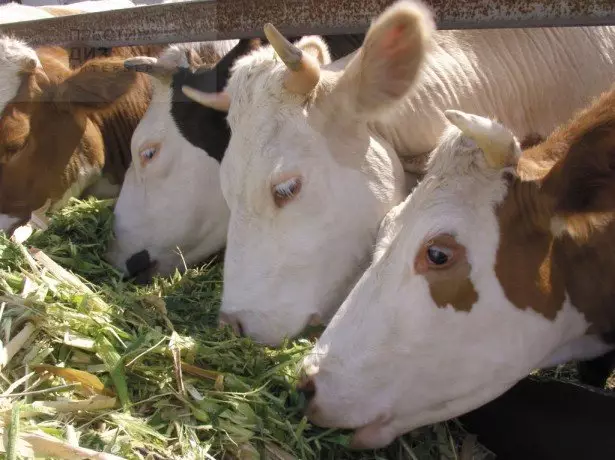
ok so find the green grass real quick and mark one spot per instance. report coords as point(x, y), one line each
point(168, 383)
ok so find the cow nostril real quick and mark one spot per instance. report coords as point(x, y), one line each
point(141, 267)
point(307, 388)
point(138, 262)
point(231, 320)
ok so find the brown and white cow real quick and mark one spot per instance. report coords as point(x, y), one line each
point(499, 262)
point(62, 128)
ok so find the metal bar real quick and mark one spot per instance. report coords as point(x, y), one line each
point(226, 19)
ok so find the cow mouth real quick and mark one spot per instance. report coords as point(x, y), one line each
point(374, 435)
point(377, 434)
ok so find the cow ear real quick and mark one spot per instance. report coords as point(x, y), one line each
point(584, 181)
point(386, 67)
point(315, 46)
point(96, 85)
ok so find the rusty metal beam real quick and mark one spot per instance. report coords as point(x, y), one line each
point(225, 19)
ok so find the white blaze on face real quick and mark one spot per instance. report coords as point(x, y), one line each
point(15, 58)
point(171, 199)
point(428, 333)
point(306, 180)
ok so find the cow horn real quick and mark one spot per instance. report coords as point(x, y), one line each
point(150, 66)
point(29, 64)
point(219, 101)
point(498, 143)
point(304, 69)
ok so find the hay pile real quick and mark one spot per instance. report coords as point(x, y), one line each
point(94, 367)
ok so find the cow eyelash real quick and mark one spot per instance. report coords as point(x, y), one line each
point(286, 191)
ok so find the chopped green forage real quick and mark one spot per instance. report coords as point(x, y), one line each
point(107, 358)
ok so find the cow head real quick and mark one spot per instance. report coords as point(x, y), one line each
point(171, 196)
point(481, 275)
point(305, 178)
point(46, 135)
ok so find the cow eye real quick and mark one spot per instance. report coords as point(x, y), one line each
point(439, 256)
point(148, 154)
point(13, 148)
point(286, 191)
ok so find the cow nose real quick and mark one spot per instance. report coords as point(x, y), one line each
point(231, 320)
point(307, 388)
point(140, 267)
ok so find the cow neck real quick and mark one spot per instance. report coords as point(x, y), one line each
point(572, 264)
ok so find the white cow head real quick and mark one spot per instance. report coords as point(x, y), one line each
point(468, 292)
point(171, 204)
point(306, 180)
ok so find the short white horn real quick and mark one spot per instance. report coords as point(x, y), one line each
point(497, 142)
point(219, 101)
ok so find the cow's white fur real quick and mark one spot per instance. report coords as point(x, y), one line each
point(14, 55)
point(391, 352)
point(175, 201)
point(283, 265)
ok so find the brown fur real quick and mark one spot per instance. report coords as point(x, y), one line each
point(568, 179)
point(450, 285)
point(61, 118)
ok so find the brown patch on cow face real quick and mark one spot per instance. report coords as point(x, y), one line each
point(525, 263)
point(443, 263)
point(536, 269)
point(37, 142)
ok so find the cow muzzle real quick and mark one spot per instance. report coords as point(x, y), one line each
point(140, 267)
point(373, 435)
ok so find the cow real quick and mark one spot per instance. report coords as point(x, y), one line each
point(115, 122)
point(313, 163)
point(176, 150)
point(62, 128)
point(498, 263)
